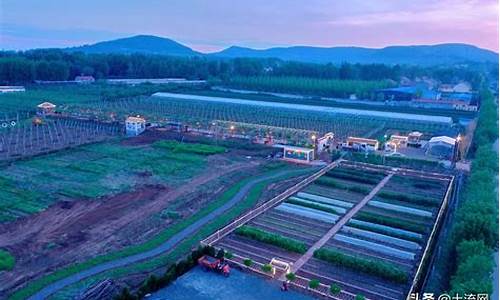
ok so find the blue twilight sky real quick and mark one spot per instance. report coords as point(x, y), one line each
point(213, 25)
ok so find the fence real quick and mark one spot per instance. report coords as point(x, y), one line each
point(426, 256)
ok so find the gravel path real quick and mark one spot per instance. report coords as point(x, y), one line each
point(163, 248)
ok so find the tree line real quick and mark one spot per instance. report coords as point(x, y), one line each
point(475, 232)
point(309, 86)
point(56, 64)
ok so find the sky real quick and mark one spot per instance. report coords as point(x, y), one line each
point(209, 26)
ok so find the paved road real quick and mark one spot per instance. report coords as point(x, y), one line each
point(304, 258)
point(163, 248)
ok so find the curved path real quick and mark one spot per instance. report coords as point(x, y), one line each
point(163, 248)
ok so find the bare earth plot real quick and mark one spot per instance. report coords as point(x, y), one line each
point(70, 227)
point(360, 228)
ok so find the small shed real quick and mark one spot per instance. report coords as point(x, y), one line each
point(298, 154)
point(45, 108)
point(396, 142)
point(135, 126)
point(414, 139)
point(325, 142)
point(399, 140)
point(442, 147)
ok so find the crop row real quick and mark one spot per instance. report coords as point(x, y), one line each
point(424, 201)
point(330, 182)
point(312, 205)
point(373, 267)
point(391, 222)
point(365, 180)
point(272, 239)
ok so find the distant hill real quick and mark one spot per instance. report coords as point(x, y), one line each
point(421, 55)
point(146, 44)
point(428, 55)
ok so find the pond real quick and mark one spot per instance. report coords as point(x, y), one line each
point(200, 285)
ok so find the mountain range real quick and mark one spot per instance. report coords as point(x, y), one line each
point(417, 55)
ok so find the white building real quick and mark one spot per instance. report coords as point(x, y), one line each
point(45, 108)
point(325, 142)
point(298, 154)
point(462, 87)
point(442, 147)
point(361, 144)
point(135, 125)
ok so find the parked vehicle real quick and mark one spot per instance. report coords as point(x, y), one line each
point(214, 264)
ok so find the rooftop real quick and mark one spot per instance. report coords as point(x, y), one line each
point(135, 119)
point(46, 105)
point(362, 140)
point(443, 139)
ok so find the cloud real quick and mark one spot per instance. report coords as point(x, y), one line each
point(210, 25)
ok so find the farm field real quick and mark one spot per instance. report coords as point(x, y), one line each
point(265, 95)
point(12, 103)
point(375, 253)
point(204, 114)
point(54, 134)
point(92, 171)
point(97, 198)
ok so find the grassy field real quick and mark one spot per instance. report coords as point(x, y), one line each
point(164, 260)
point(29, 186)
point(7, 261)
point(71, 94)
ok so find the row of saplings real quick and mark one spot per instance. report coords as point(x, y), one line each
point(299, 247)
point(313, 283)
point(154, 283)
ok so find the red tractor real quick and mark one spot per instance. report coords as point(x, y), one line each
point(214, 264)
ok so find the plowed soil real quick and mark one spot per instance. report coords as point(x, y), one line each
point(78, 229)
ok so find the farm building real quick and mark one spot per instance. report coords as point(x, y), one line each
point(11, 89)
point(45, 108)
point(135, 125)
point(298, 154)
point(405, 93)
point(462, 87)
point(414, 139)
point(325, 142)
point(84, 79)
point(361, 144)
point(395, 142)
point(442, 147)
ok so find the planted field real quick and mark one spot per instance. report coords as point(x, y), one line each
point(379, 249)
point(91, 171)
point(374, 252)
point(289, 229)
point(203, 114)
point(70, 94)
point(55, 134)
